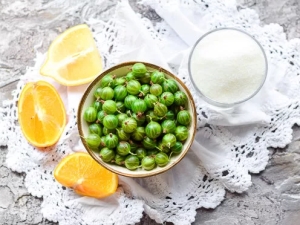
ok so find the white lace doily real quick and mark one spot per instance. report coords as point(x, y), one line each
point(229, 144)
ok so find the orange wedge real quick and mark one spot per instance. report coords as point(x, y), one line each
point(41, 114)
point(73, 58)
point(82, 173)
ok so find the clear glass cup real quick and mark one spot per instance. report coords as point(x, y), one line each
point(212, 101)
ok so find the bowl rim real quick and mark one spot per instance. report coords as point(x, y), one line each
point(104, 164)
point(221, 104)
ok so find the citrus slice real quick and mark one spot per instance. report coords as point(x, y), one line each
point(41, 114)
point(73, 58)
point(82, 173)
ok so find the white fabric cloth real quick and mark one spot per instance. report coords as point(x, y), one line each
point(229, 143)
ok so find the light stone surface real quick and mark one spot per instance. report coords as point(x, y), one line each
point(274, 197)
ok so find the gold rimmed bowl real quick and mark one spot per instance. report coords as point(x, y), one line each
point(88, 99)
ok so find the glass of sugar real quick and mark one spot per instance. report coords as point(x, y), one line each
point(227, 66)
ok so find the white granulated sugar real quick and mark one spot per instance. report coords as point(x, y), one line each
point(227, 66)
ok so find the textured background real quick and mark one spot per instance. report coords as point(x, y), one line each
point(274, 197)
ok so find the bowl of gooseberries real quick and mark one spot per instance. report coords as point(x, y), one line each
point(137, 119)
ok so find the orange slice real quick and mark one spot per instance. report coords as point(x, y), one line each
point(41, 114)
point(82, 173)
point(73, 58)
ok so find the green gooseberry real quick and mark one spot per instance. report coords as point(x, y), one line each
point(157, 77)
point(90, 114)
point(148, 163)
point(95, 128)
point(138, 70)
point(111, 140)
point(100, 116)
point(141, 153)
point(180, 98)
point(129, 76)
point(170, 85)
point(107, 93)
point(153, 130)
point(168, 126)
point(146, 78)
point(97, 92)
point(120, 92)
point(129, 125)
point(93, 141)
point(109, 106)
point(129, 100)
point(156, 89)
point(168, 140)
point(150, 99)
point(119, 160)
point(122, 135)
point(97, 105)
point(149, 143)
point(108, 81)
point(177, 148)
point(120, 81)
point(160, 109)
point(132, 162)
point(166, 98)
point(133, 87)
point(123, 148)
point(184, 118)
point(181, 133)
point(138, 134)
point(161, 159)
point(107, 155)
point(110, 121)
point(139, 106)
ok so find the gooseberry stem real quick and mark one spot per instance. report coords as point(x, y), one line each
point(139, 114)
point(131, 153)
point(158, 148)
point(170, 155)
point(141, 94)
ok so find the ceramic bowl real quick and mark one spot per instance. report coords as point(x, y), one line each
point(88, 98)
